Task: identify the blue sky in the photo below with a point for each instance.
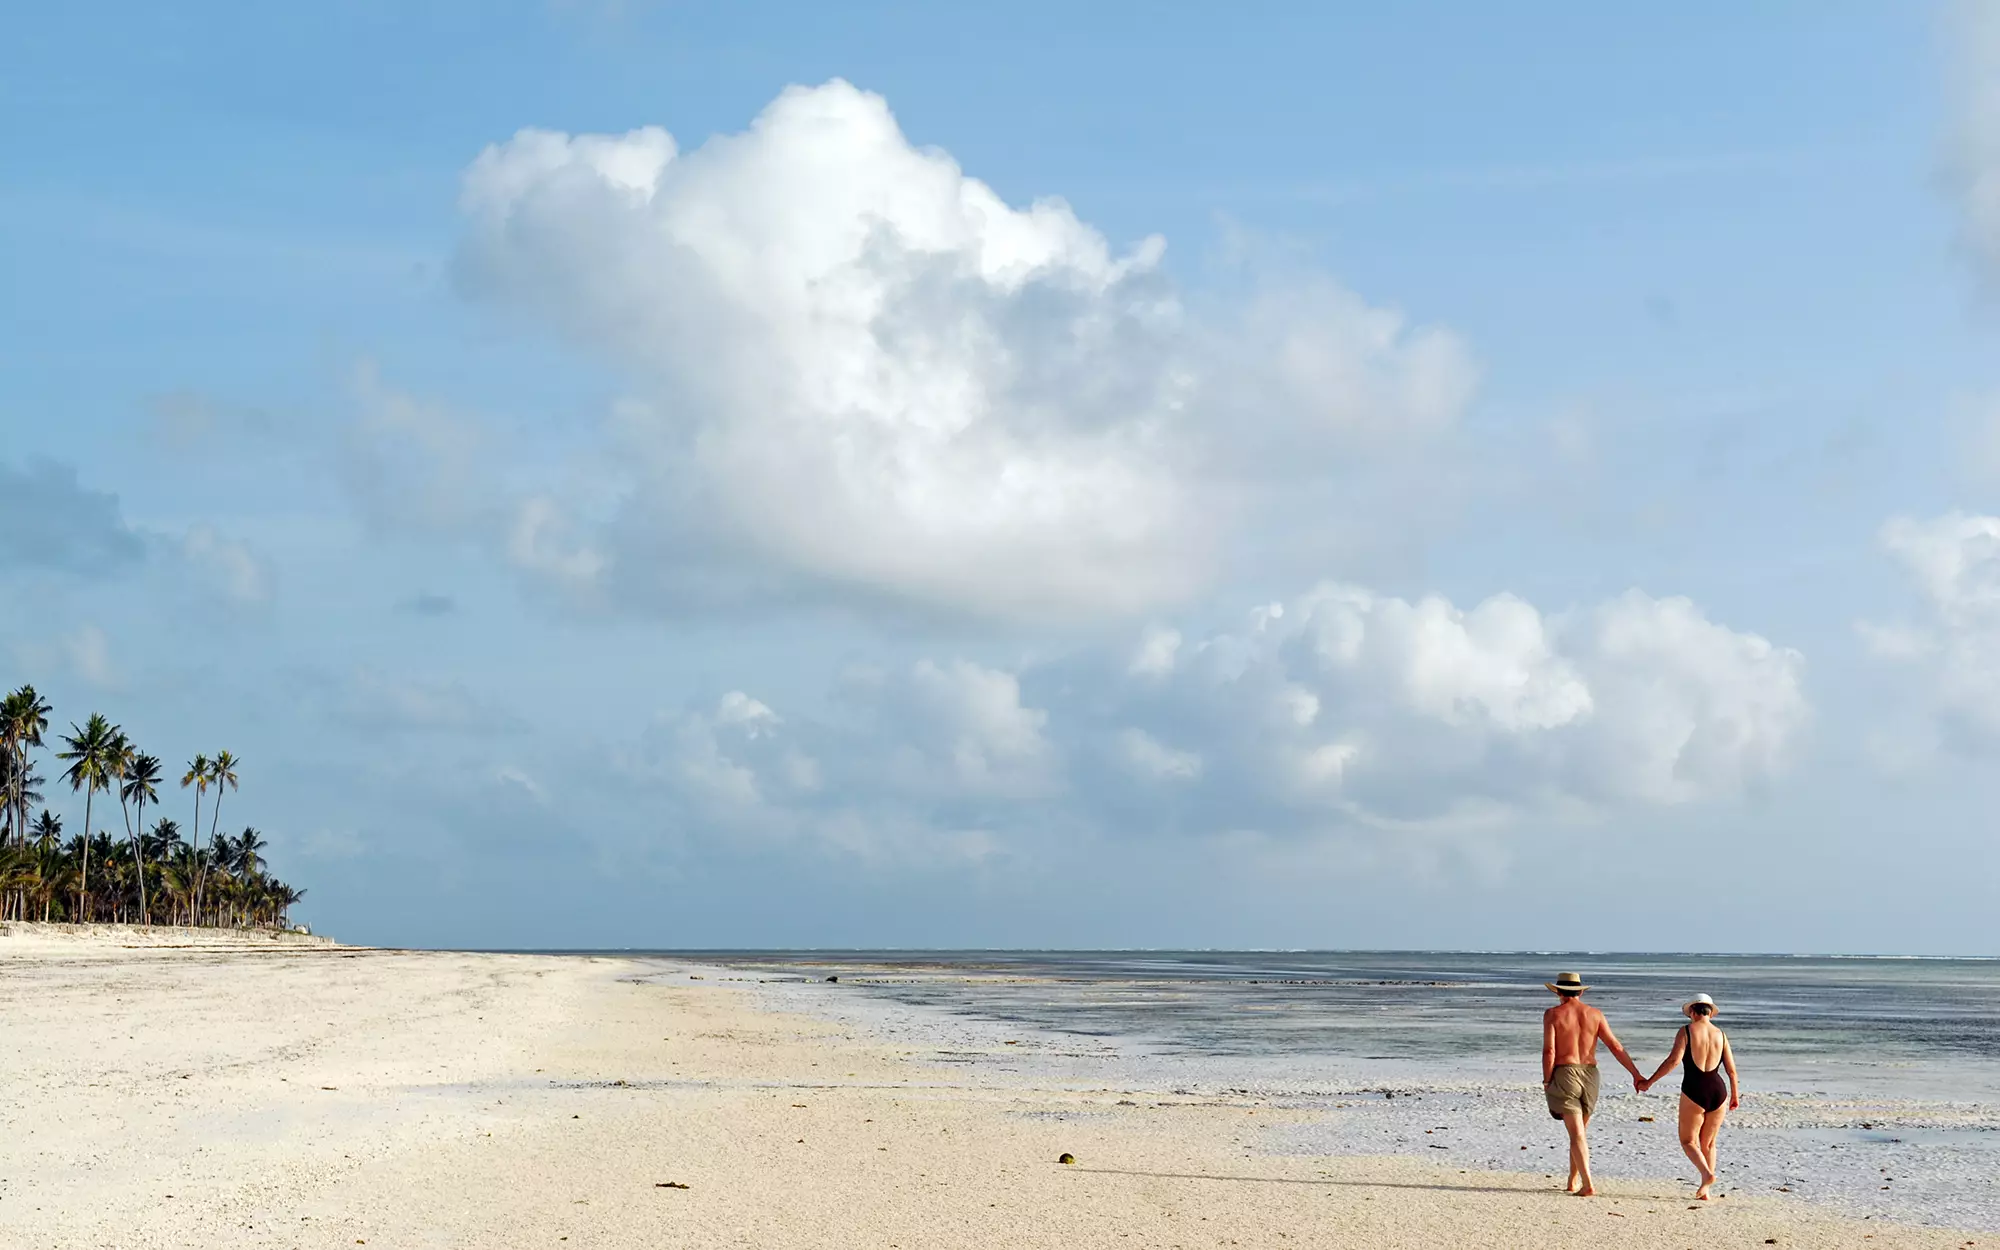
(1441, 477)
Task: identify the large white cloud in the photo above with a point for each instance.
(1954, 562)
(861, 369)
(1351, 702)
(1340, 708)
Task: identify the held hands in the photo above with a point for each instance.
(1640, 1083)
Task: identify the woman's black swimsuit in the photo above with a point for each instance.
(1707, 1090)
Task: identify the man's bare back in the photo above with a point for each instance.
(1570, 1032)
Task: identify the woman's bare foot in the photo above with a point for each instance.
(1701, 1195)
(1588, 1191)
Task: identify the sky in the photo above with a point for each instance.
(632, 474)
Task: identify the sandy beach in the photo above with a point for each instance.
(173, 1091)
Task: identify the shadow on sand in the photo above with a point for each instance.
(1301, 1180)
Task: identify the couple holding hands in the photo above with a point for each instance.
(1570, 1032)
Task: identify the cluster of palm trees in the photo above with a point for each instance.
(157, 876)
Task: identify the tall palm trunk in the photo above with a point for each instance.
(125, 810)
(83, 890)
(214, 820)
(139, 861)
(194, 895)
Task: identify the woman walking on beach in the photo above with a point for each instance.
(1704, 1054)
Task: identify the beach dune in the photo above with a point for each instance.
(168, 1090)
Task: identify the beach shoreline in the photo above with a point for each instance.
(309, 1094)
(36, 936)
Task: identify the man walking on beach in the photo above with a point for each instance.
(1570, 1032)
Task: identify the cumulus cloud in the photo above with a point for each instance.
(863, 371)
(1973, 158)
(1348, 703)
(934, 760)
(1339, 709)
(1954, 563)
(972, 728)
(50, 520)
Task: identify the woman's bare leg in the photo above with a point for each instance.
(1711, 1128)
(1693, 1146)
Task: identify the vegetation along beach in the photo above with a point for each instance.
(158, 875)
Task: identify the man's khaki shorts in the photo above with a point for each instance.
(1572, 1088)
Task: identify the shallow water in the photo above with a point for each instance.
(1873, 1084)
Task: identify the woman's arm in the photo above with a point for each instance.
(1729, 1066)
(1673, 1056)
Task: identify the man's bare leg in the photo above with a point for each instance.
(1579, 1155)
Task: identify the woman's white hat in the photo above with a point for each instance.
(1700, 1000)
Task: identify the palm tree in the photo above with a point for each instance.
(221, 771)
(37, 871)
(23, 717)
(164, 839)
(218, 868)
(100, 845)
(222, 775)
(18, 788)
(142, 779)
(197, 775)
(247, 856)
(282, 899)
(120, 757)
(48, 828)
(176, 861)
(90, 758)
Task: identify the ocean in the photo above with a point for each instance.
(1872, 1084)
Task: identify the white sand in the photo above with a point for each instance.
(224, 1093)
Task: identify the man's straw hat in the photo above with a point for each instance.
(1567, 982)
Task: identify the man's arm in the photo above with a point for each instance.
(1610, 1040)
(1548, 1048)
